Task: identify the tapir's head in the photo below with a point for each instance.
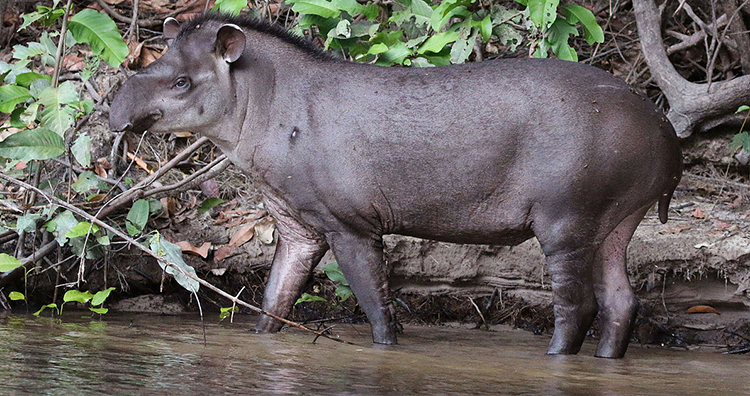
(187, 89)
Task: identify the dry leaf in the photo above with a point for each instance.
(140, 162)
(222, 253)
(183, 134)
(188, 247)
(97, 197)
(702, 309)
(677, 228)
(218, 271)
(168, 206)
(73, 63)
(698, 213)
(99, 170)
(244, 234)
(148, 56)
(264, 229)
(21, 165)
(113, 2)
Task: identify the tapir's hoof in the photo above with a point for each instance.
(268, 325)
(563, 351)
(609, 353)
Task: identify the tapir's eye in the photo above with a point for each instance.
(182, 82)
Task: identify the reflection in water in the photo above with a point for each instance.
(166, 355)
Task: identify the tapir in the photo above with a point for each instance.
(494, 152)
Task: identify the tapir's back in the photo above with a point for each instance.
(490, 141)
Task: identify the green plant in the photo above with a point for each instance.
(551, 31)
(742, 139)
(343, 290)
(95, 301)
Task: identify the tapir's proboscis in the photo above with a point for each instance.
(494, 152)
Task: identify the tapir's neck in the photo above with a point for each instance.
(271, 82)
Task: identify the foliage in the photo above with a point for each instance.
(551, 31)
(173, 254)
(227, 312)
(742, 138)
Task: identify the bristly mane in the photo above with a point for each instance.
(260, 25)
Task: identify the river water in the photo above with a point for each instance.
(161, 355)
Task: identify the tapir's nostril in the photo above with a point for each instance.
(155, 115)
(122, 128)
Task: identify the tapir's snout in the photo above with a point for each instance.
(126, 115)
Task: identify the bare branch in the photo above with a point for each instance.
(691, 104)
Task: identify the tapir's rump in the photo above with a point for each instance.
(494, 152)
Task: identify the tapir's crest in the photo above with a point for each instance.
(494, 152)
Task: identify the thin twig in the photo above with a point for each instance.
(133, 242)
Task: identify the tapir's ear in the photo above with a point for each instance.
(230, 42)
(171, 28)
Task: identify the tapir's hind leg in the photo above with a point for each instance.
(292, 266)
(617, 302)
(573, 299)
(361, 261)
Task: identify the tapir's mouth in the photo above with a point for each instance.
(140, 125)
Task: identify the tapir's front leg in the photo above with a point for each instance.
(361, 261)
(292, 266)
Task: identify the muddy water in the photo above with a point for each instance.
(165, 355)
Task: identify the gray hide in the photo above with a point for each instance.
(494, 152)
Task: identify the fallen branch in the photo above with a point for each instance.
(133, 242)
(136, 192)
(691, 104)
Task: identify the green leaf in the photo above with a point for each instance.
(60, 225)
(209, 203)
(27, 223)
(77, 296)
(53, 305)
(57, 115)
(16, 296)
(86, 181)
(306, 297)
(592, 32)
(462, 49)
(437, 42)
(101, 33)
(227, 312)
(46, 15)
(378, 48)
(396, 54)
(25, 79)
(559, 34)
(543, 13)
(100, 311)
(343, 292)
(231, 7)
(11, 95)
(486, 28)
(8, 262)
(741, 139)
(81, 229)
(323, 8)
(447, 10)
(137, 217)
(333, 272)
(32, 144)
(742, 108)
(23, 52)
(81, 150)
(101, 296)
(173, 254)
